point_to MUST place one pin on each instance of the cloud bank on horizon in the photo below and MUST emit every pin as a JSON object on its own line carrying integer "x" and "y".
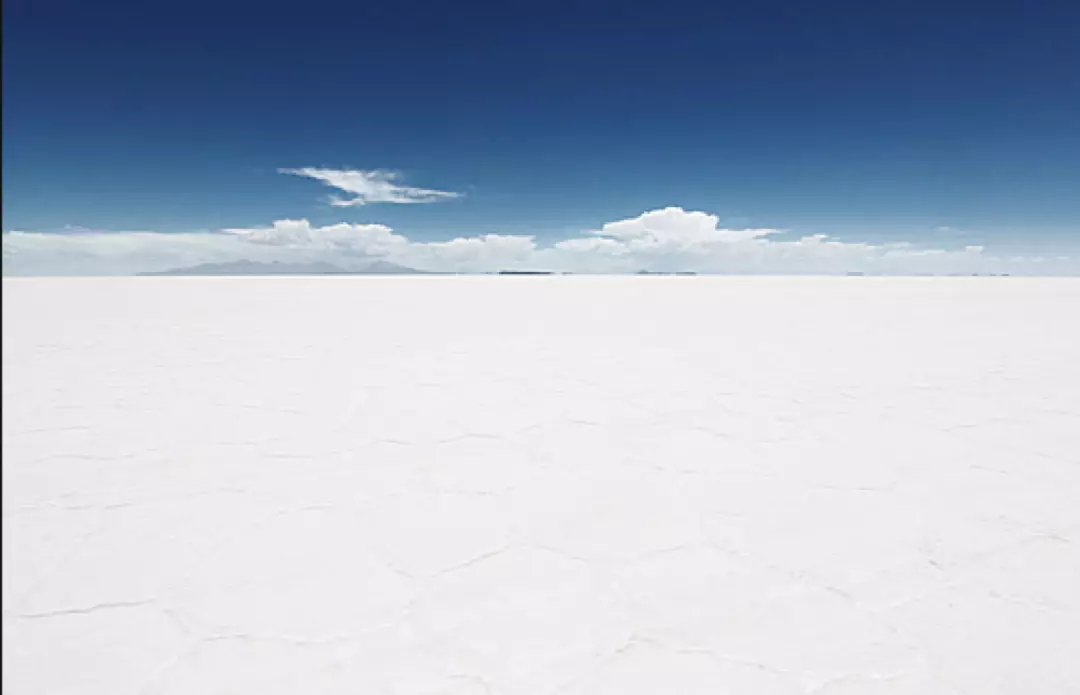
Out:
{"x": 667, "y": 239}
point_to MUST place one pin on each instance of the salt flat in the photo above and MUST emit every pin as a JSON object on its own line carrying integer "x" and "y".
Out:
{"x": 573, "y": 485}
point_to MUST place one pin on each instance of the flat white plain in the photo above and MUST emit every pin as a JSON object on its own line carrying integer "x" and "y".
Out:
{"x": 572, "y": 485}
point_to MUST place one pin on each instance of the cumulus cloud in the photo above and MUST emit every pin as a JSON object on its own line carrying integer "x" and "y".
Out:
{"x": 668, "y": 239}
{"x": 367, "y": 239}
{"x": 373, "y": 186}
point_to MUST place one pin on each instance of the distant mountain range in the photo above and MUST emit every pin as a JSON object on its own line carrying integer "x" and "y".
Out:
{"x": 246, "y": 267}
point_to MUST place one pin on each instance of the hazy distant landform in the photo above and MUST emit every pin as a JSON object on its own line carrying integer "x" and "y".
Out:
{"x": 246, "y": 267}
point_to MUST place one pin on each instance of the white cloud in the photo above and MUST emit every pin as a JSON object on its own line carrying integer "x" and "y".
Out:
{"x": 675, "y": 228}
{"x": 374, "y": 186}
{"x": 368, "y": 239}
{"x": 668, "y": 239}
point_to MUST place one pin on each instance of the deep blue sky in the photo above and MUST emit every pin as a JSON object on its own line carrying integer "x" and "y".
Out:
{"x": 868, "y": 120}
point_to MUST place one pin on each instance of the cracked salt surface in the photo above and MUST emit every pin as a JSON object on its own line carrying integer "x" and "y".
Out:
{"x": 541, "y": 485}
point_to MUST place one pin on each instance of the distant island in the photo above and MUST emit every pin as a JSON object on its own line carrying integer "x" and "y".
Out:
{"x": 245, "y": 267}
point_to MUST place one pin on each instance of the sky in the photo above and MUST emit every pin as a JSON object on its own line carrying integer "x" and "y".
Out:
{"x": 812, "y": 137}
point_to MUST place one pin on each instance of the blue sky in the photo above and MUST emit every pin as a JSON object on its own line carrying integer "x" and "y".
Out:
{"x": 937, "y": 124}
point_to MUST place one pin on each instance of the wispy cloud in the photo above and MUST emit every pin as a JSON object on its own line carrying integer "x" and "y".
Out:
{"x": 372, "y": 186}
{"x": 666, "y": 239}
